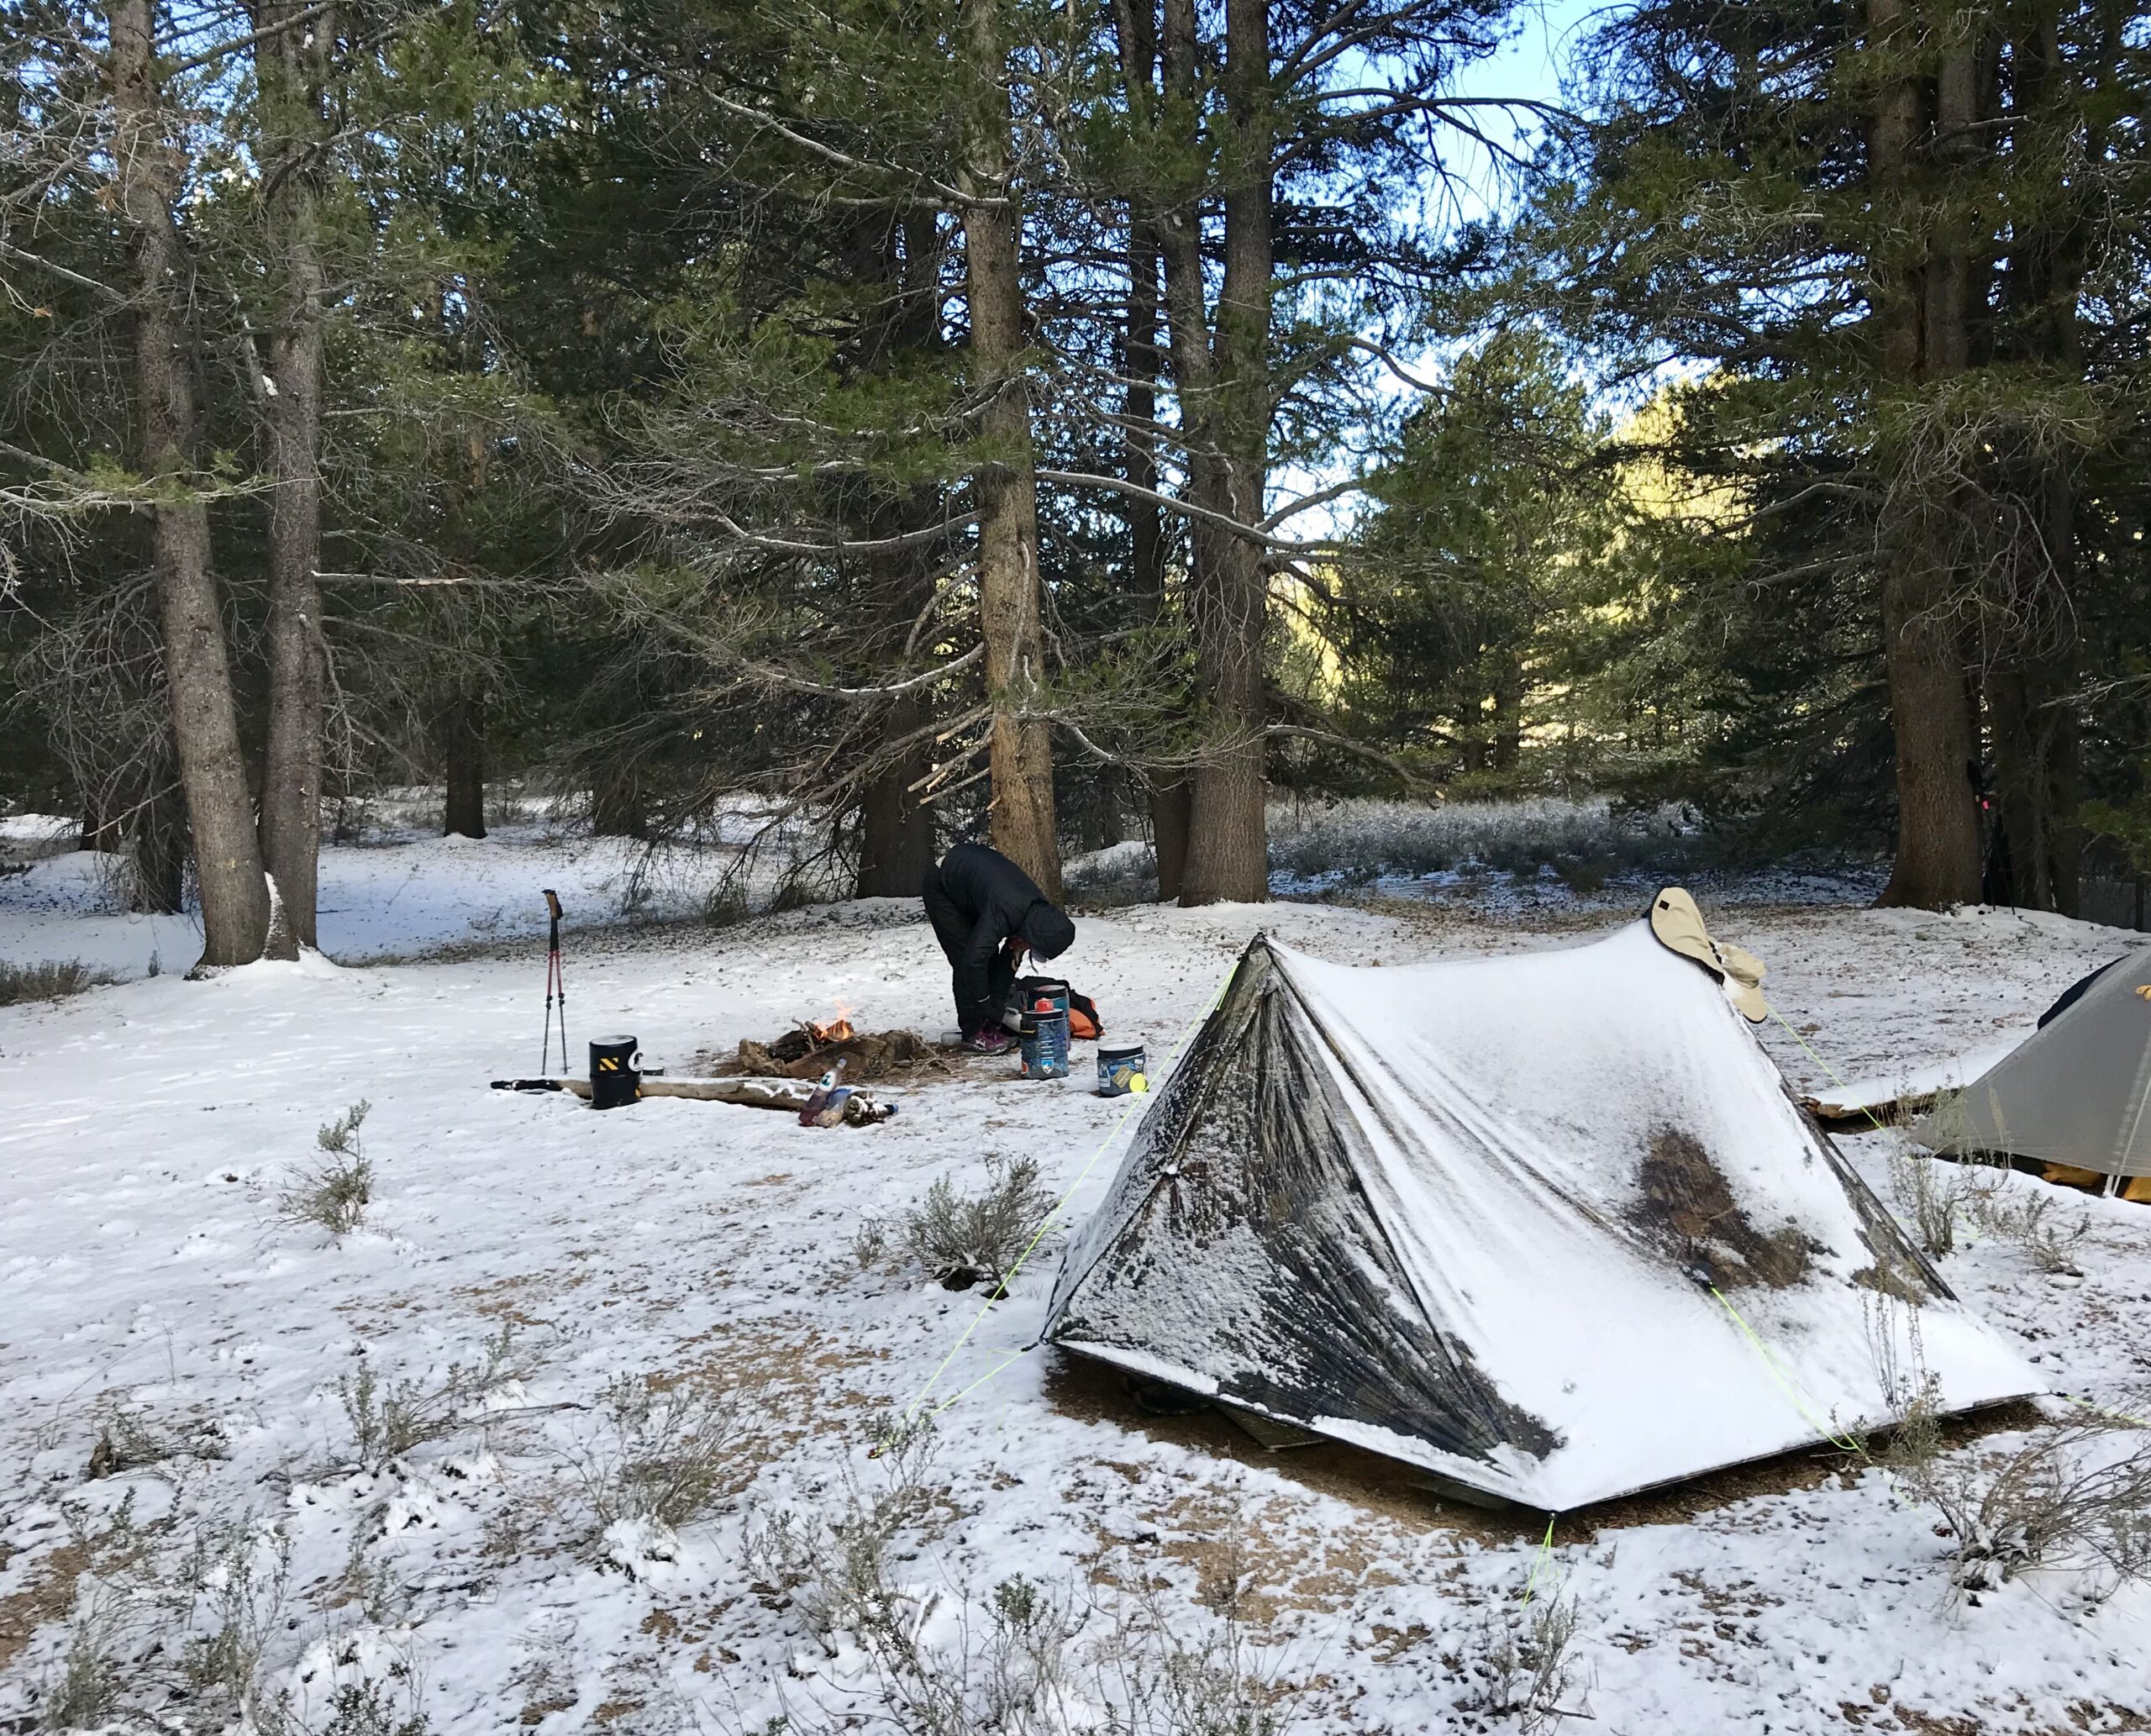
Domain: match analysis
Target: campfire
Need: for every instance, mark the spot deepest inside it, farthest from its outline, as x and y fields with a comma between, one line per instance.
x=814, y=1045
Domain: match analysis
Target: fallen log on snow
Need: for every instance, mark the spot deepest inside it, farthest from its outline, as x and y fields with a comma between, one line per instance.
x=1890, y=1099
x=859, y=1109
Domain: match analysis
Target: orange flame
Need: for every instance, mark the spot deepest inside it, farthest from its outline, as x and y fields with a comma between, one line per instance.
x=836, y=1030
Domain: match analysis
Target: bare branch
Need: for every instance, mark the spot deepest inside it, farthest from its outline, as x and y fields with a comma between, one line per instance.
x=1186, y=509
x=778, y=678
x=237, y=43
x=1344, y=744
x=843, y=160
x=109, y=294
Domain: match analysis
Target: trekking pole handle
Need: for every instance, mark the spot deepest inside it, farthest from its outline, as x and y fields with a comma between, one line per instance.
x=553, y=904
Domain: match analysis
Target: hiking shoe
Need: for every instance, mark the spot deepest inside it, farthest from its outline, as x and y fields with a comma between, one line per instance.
x=989, y=1039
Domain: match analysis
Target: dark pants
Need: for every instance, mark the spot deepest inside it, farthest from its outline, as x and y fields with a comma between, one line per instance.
x=952, y=927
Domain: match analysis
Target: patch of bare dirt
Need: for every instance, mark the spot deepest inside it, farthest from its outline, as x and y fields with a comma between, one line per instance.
x=1249, y=1562
x=48, y=1596
x=515, y=1300
x=788, y=1378
x=1688, y=1208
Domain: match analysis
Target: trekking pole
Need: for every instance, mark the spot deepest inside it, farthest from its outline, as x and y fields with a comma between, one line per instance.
x=557, y=987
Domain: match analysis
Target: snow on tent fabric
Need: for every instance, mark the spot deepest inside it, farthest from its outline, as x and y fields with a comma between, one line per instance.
x=2075, y=1093
x=1550, y=1227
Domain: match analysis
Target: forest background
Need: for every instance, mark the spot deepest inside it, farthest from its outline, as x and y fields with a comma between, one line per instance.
x=890, y=421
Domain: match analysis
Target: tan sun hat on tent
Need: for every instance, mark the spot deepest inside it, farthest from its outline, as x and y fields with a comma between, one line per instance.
x=1679, y=928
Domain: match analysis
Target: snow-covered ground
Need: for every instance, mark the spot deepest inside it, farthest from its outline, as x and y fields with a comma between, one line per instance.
x=148, y=1291
x=403, y=890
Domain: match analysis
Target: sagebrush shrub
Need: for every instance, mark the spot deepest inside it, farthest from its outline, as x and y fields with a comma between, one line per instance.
x=389, y=1415
x=335, y=1192
x=666, y=1454
x=87, y=1690
x=1522, y=1662
x=964, y=1238
x=2064, y=1499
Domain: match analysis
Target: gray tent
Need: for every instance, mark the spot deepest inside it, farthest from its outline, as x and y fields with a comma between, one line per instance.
x=2074, y=1092
x=1550, y=1227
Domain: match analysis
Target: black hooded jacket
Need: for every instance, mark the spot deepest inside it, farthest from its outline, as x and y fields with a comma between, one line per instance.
x=977, y=899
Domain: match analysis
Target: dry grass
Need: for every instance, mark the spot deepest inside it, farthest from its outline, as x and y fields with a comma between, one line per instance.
x=1017, y=1667
x=54, y=980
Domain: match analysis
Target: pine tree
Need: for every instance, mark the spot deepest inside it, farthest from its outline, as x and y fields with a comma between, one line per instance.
x=1848, y=216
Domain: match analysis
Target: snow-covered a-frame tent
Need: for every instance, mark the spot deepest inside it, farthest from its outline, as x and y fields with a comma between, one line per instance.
x=1550, y=1227
x=2076, y=1094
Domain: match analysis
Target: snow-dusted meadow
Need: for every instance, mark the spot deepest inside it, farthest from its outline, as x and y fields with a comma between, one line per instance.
x=484, y=1578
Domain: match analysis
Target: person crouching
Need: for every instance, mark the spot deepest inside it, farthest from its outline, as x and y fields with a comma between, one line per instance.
x=987, y=913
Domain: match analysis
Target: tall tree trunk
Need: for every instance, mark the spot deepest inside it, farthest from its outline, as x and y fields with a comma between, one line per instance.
x=205, y=716
x=1021, y=750
x=463, y=765
x=139, y=814
x=1136, y=26
x=1195, y=382
x=288, y=67
x=157, y=844
x=1227, y=834
x=1508, y=716
x=619, y=804
x=2037, y=838
x=1939, y=844
x=1165, y=793
x=1920, y=318
x=2030, y=713
x=896, y=830
x=100, y=831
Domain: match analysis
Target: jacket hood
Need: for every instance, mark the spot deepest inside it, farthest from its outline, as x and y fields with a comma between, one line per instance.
x=1047, y=932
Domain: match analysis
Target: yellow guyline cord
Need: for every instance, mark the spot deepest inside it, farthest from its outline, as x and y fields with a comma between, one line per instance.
x=1000, y=1289
x=1545, y=1555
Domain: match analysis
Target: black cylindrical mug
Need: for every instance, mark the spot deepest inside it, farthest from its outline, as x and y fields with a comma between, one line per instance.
x=615, y=1072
